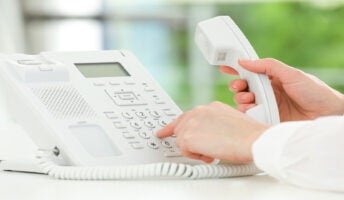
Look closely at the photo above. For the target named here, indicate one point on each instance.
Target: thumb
(271, 67)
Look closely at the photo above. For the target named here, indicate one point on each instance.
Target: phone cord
(143, 171)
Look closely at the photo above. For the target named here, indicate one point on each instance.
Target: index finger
(169, 129)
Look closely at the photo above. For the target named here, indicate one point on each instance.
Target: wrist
(256, 133)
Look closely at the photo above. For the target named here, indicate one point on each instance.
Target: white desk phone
(98, 111)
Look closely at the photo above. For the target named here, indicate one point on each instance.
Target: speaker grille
(64, 102)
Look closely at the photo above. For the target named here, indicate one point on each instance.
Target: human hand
(215, 131)
(299, 96)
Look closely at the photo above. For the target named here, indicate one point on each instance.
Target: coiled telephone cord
(144, 171)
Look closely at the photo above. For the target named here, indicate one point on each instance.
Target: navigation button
(126, 96)
(129, 82)
(45, 68)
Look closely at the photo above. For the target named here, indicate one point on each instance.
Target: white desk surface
(34, 187)
(14, 144)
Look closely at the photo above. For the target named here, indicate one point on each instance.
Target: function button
(111, 115)
(141, 114)
(127, 115)
(144, 135)
(98, 83)
(45, 68)
(149, 89)
(128, 135)
(136, 145)
(115, 83)
(163, 122)
(135, 125)
(129, 82)
(154, 113)
(152, 144)
(150, 124)
(126, 96)
(172, 153)
(29, 62)
(166, 144)
(159, 101)
(119, 125)
(169, 112)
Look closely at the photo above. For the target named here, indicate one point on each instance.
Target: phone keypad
(135, 120)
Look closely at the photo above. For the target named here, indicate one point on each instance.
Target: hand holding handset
(222, 43)
(98, 111)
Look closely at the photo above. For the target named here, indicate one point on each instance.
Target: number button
(127, 115)
(169, 112)
(149, 124)
(163, 122)
(135, 125)
(152, 145)
(154, 114)
(141, 115)
(144, 135)
(166, 144)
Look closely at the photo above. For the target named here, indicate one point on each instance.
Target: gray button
(172, 153)
(29, 62)
(136, 145)
(152, 144)
(128, 135)
(115, 83)
(119, 125)
(129, 82)
(45, 68)
(111, 115)
(169, 112)
(149, 89)
(98, 83)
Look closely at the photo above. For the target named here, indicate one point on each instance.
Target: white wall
(11, 39)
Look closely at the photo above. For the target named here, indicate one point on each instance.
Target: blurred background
(305, 34)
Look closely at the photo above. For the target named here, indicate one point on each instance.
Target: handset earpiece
(222, 43)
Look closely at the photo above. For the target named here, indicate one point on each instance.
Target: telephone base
(24, 166)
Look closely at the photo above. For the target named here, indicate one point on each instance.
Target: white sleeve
(307, 153)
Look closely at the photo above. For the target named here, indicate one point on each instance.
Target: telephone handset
(98, 112)
(222, 43)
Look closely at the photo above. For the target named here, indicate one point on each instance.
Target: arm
(308, 154)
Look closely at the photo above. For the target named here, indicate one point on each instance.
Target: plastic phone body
(222, 43)
(98, 108)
